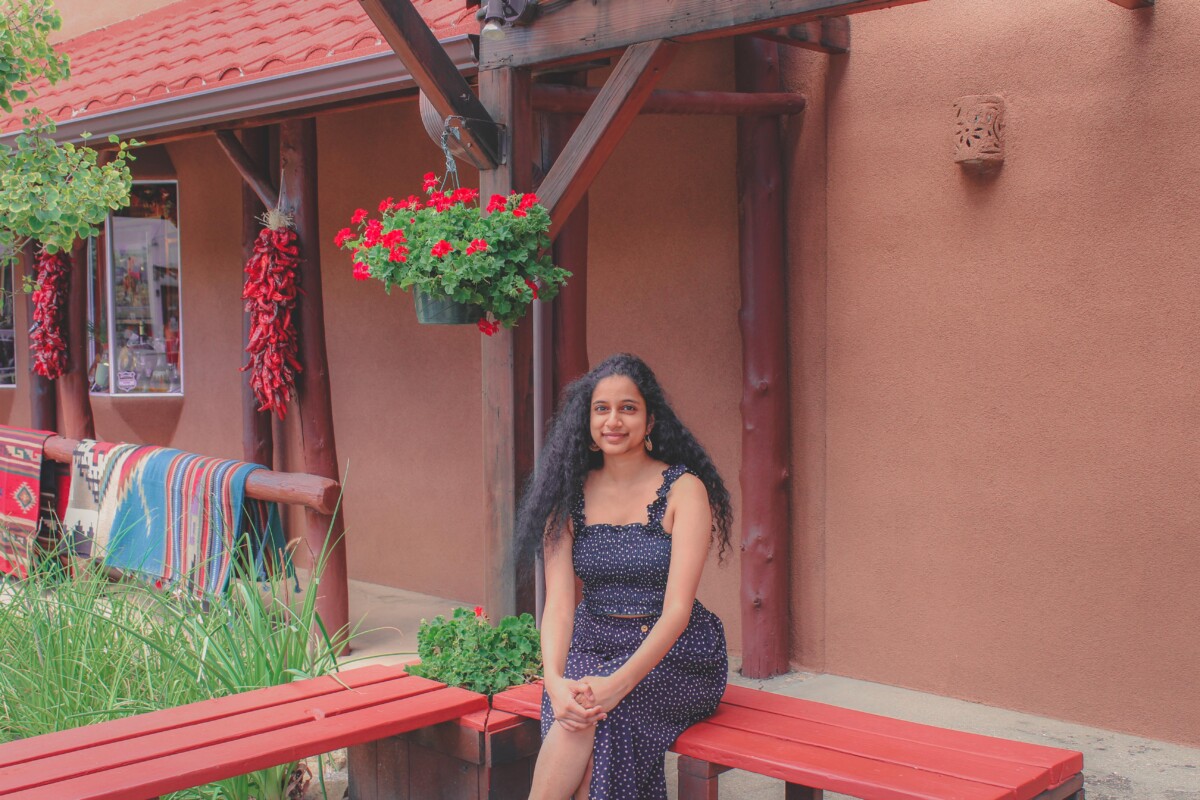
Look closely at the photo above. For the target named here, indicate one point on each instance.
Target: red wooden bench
(143, 756)
(815, 747)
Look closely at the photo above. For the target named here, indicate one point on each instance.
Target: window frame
(95, 251)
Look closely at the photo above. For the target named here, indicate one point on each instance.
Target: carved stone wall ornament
(979, 131)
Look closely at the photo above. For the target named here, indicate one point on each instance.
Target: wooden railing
(310, 491)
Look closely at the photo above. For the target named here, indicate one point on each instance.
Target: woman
(628, 500)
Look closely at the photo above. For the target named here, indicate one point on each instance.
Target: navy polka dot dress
(624, 571)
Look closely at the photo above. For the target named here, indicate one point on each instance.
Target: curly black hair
(566, 458)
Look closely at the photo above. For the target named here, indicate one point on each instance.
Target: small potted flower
(463, 267)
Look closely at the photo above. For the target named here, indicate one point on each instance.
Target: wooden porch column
(43, 406)
(505, 94)
(76, 401)
(569, 314)
(258, 446)
(766, 403)
(298, 165)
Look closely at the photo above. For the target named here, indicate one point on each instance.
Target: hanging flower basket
(441, 310)
(494, 265)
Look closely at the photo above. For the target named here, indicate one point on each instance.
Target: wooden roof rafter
(410, 37)
(830, 35)
(582, 30)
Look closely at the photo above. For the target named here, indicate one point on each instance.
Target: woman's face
(619, 422)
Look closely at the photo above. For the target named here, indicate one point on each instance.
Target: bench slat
(99, 733)
(188, 737)
(171, 773)
(1026, 779)
(1061, 763)
(830, 770)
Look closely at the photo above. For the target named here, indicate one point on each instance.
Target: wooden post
(298, 166)
(766, 405)
(569, 314)
(258, 446)
(76, 401)
(505, 93)
(43, 407)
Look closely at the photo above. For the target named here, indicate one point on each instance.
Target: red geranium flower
(487, 327)
(342, 236)
(430, 181)
(532, 287)
(359, 216)
(465, 195)
(528, 200)
(393, 238)
(479, 611)
(385, 204)
(477, 246)
(497, 203)
(520, 212)
(361, 272)
(441, 248)
(374, 231)
(398, 254)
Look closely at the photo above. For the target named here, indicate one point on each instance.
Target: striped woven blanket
(178, 519)
(28, 485)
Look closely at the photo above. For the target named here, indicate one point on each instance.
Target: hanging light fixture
(497, 14)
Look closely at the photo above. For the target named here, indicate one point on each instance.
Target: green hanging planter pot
(437, 310)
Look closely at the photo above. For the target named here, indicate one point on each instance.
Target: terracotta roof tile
(207, 44)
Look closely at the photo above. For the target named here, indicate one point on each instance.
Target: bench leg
(795, 791)
(698, 779)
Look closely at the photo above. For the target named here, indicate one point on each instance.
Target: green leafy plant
(466, 650)
(50, 192)
(444, 247)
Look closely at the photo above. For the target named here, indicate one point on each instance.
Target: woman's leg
(581, 792)
(564, 763)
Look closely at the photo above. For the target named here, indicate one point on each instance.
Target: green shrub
(467, 651)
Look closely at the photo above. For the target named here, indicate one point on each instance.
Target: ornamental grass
(81, 649)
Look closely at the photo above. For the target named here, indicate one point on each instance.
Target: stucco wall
(81, 16)
(1012, 396)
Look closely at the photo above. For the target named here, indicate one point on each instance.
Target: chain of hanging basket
(46, 342)
(270, 295)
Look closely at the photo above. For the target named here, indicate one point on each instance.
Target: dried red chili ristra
(46, 342)
(270, 296)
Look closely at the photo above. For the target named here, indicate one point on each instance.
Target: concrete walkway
(1118, 766)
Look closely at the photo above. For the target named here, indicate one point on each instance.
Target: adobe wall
(81, 16)
(1011, 504)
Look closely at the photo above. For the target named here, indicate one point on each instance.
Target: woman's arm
(691, 534)
(558, 624)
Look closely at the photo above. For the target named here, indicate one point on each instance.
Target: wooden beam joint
(434, 72)
(253, 173)
(831, 35)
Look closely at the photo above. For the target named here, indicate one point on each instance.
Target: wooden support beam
(76, 400)
(43, 404)
(825, 36)
(325, 535)
(252, 170)
(602, 127)
(766, 402)
(258, 443)
(296, 488)
(1134, 3)
(559, 99)
(580, 31)
(435, 74)
(506, 93)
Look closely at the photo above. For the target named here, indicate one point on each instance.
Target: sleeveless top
(624, 567)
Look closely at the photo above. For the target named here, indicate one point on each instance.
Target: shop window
(135, 310)
(8, 351)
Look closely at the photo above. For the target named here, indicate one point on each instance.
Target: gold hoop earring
(649, 444)
(595, 448)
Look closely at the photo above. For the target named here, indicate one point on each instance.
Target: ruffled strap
(577, 521)
(659, 507)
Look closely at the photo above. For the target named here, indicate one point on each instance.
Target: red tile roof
(196, 45)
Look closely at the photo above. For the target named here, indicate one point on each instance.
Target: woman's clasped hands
(580, 704)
